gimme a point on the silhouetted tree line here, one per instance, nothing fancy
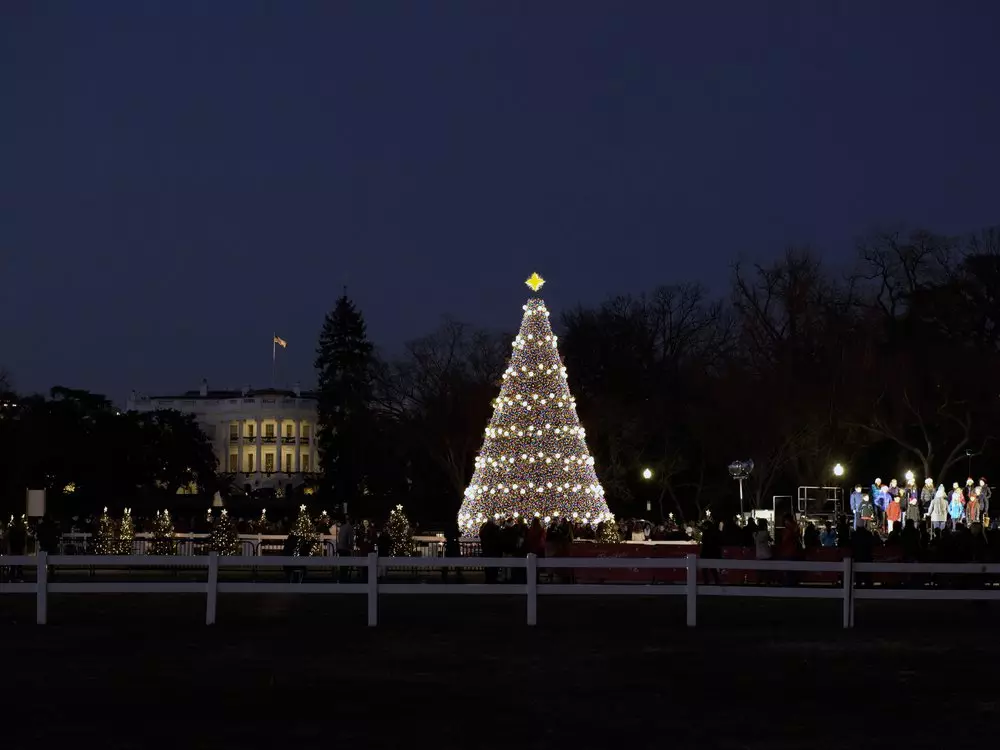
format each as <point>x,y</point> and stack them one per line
<point>85,453</point>
<point>888,366</point>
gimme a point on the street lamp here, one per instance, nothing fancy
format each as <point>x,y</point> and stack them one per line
<point>647,474</point>
<point>838,470</point>
<point>909,476</point>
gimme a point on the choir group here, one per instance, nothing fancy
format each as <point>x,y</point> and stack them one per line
<point>884,504</point>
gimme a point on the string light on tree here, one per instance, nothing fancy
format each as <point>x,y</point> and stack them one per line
<point>225,537</point>
<point>163,535</point>
<point>400,533</point>
<point>534,460</point>
<point>104,543</point>
<point>126,533</point>
<point>305,530</point>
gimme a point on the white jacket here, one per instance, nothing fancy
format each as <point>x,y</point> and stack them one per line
<point>939,508</point>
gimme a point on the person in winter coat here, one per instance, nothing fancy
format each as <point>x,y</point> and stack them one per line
<point>938,509</point>
<point>912,511</point>
<point>974,508</point>
<point>987,493</point>
<point>856,503</point>
<point>926,495</point>
<point>878,489</point>
<point>867,512</point>
<point>956,508</point>
<point>893,513</point>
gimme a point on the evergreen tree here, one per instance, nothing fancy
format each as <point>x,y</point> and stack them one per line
<point>400,533</point>
<point>534,460</point>
<point>163,535</point>
<point>260,525</point>
<point>225,538</point>
<point>608,531</point>
<point>104,540</point>
<point>344,365</point>
<point>126,533</point>
<point>305,530</point>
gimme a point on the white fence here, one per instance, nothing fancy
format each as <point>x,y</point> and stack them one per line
<point>373,588</point>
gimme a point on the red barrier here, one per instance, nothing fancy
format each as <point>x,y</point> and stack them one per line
<point>632,575</point>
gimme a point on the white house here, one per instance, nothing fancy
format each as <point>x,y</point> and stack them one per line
<point>265,437</point>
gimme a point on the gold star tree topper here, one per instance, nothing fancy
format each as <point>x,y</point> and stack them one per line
<point>535,282</point>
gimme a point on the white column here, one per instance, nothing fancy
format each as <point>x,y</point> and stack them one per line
<point>258,468</point>
<point>298,438</point>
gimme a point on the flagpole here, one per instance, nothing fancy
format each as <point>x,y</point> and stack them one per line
<point>274,354</point>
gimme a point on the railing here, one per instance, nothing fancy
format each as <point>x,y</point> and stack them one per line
<point>373,587</point>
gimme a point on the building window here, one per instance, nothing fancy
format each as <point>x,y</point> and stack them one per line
<point>249,429</point>
<point>305,431</point>
<point>234,463</point>
<point>269,430</point>
<point>268,462</point>
<point>289,429</point>
<point>288,463</point>
<point>249,463</point>
<point>305,462</point>
<point>234,431</point>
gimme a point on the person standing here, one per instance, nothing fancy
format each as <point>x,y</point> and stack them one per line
<point>926,496</point>
<point>986,493</point>
<point>912,510</point>
<point>878,499</point>
<point>974,508</point>
<point>956,508</point>
<point>938,510</point>
<point>856,503</point>
<point>867,512</point>
<point>345,546</point>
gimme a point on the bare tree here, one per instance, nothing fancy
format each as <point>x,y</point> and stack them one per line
<point>442,390</point>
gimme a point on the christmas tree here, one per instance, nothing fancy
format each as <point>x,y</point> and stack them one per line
<point>608,531</point>
<point>104,541</point>
<point>126,533</point>
<point>163,535</point>
<point>534,461</point>
<point>260,525</point>
<point>305,530</point>
<point>400,533</point>
<point>225,537</point>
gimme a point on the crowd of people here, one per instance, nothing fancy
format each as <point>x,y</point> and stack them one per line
<point>885,504</point>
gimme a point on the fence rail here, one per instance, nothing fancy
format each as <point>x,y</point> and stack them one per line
<point>846,590</point>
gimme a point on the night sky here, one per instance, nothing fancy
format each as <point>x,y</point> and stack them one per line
<point>179,180</point>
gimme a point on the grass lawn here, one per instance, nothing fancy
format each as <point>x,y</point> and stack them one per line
<point>136,671</point>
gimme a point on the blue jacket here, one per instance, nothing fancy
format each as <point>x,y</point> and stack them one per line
<point>955,509</point>
<point>855,502</point>
<point>881,498</point>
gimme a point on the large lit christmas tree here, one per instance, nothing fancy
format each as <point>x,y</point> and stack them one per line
<point>104,539</point>
<point>534,461</point>
<point>126,534</point>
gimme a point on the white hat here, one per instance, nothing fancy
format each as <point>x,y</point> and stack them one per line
<point>929,481</point>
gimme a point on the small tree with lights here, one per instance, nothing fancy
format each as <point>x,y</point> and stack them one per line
<point>259,526</point>
<point>163,535</point>
<point>400,533</point>
<point>225,537</point>
<point>609,533</point>
<point>534,460</point>
<point>126,533</point>
<point>305,530</point>
<point>104,540</point>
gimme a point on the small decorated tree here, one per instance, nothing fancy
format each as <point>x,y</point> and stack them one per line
<point>609,533</point>
<point>400,533</point>
<point>163,535</point>
<point>259,526</point>
<point>225,537</point>
<point>126,534</point>
<point>104,541</point>
<point>305,530</point>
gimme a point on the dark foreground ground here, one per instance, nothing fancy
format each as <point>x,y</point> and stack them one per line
<point>284,671</point>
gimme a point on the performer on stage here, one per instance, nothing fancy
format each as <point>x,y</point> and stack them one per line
<point>956,508</point>
<point>866,511</point>
<point>938,509</point>
<point>926,495</point>
<point>856,497</point>
<point>912,512</point>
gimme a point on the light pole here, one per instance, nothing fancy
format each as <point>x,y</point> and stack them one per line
<point>740,470</point>
<point>838,470</point>
<point>647,474</point>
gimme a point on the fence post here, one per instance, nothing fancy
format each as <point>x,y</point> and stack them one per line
<point>213,587</point>
<point>848,592</point>
<point>372,589</point>
<point>42,583</point>
<point>532,588</point>
<point>692,590</point>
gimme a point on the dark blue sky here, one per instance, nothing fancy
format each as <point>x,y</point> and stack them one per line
<point>180,179</point>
